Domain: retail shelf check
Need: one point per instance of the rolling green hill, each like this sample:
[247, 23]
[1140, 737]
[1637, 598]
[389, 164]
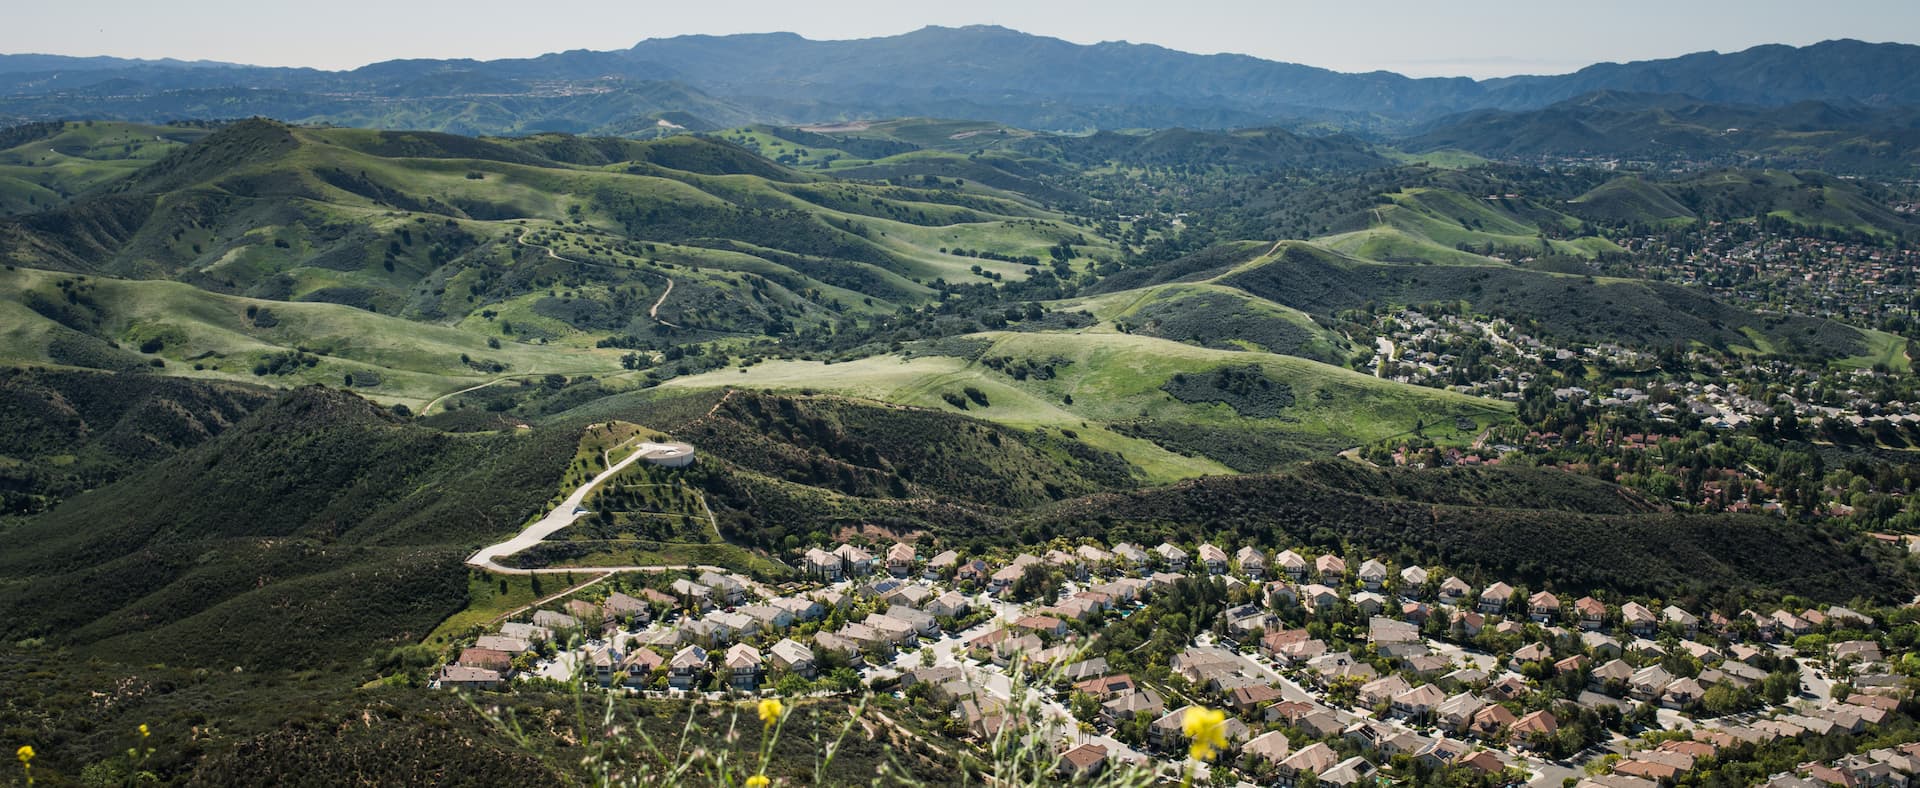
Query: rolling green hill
[1154, 401]
[571, 236]
[44, 166]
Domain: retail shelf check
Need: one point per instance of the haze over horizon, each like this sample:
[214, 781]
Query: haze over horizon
[1475, 38]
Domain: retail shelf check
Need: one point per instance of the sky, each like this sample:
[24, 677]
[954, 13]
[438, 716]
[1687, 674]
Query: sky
[1474, 38]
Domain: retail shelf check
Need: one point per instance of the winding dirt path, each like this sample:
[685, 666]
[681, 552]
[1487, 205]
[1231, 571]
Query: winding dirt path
[652, 314]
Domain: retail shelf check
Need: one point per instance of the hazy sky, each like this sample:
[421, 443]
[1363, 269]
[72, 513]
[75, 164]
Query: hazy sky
[1424, 37]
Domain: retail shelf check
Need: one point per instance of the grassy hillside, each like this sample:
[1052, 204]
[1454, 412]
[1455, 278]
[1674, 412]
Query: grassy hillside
[1218, 317]
[580, 239]
[1112, 391]
[175, 328]
[44, 166]
[1585, 309]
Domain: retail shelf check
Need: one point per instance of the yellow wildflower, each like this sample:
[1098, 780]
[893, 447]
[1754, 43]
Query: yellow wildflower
[770, 710]
[144, 733]
[1208, 730]
[25, 753]
[759, 780]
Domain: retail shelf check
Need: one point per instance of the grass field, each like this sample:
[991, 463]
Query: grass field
[1886, 349]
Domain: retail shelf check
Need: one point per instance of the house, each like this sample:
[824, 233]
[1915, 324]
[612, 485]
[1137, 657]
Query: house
[939, 565]
[1638, 619]
[1102, 688]
[801, 610]
[1543, 607]
[1373, 574]
[1456, 712]
[1412, 579]
[1174, 557]
[1533, 652]
[975, 571]
[1246, 700]
[912, 595]
[1292, 564]
[1682, 693]
[1383, 690]
[1093, 556]
[1145, 701]
[1419, 701]
[1647, 683]
[1508, 687]
[511, 645]
[685, 670]
[1600, 646]
[951, 604]
[895, 630]
[900, 559]
[587, 613]
[1314, 758]
[707, 632]
[1688, 622]
[1331, 568]
[1005, 577]
[924, 624]
[1317, 597]
[743, 666]
[1352, 771]
[1384, 631]
[1169, 730]
[858, 562]
[1616, 673]
[621, 607]
[1214, 558]
[1573, 664]
[639, 665]
[1083, 762]
[1047, 625]
[691, 595]
[822, 564]
[491, 659]
[463, 677]
[1468, 623]
[1245, 620]
[1453, 589]
[768, 618]
[1592, 612]
[1443, 752]
[1271, 747]
[530, 633]
[1490, 720]
[599, 662]
[1131, 555]
[1253, 563]
[1788, 622]
[1539, 723]
[554, 621]
[1493, 601]
[1330, 666]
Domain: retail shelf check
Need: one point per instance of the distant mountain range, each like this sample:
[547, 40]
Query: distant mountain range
[988, 73]
[1667, 129]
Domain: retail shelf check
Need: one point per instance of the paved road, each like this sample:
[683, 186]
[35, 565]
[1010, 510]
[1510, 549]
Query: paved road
[562, 516]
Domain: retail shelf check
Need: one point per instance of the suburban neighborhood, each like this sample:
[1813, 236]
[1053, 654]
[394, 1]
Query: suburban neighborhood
[1334, 669]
